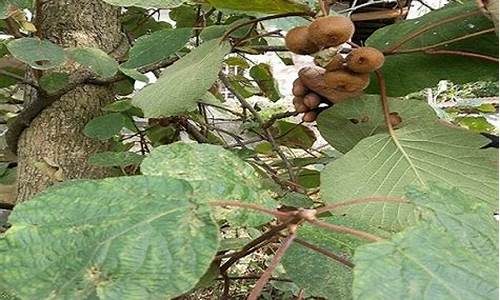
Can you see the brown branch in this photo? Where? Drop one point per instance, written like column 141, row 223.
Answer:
column 262, row 209
column 258, row 118
column 327, row 253
column 254, row 245
column 463, row 53
column 13, row 28
column 385, row 103
column 427, row 28
column 421, row 49
column 264, row 279
column 346, row 230
column 367, row 200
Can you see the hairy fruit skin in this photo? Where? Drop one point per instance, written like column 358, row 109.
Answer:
column 310, row 116
column 346, row 81
column 365, row 60
column 312, row 100
column 299, row 89
column 314, row 79
column 297, row 40
column 395, row 119
column 331, row 31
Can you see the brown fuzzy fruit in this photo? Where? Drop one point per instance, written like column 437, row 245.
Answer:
column 336, row 63
column 331, row 31
column 297, row 40
column 314, row 79
column 312, row 100
column 395, row 119
column 300, row 107
column 310, row 116
column 347, row 81
column 299, row 89
column 365, row 60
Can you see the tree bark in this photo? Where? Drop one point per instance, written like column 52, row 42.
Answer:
column 54, row 147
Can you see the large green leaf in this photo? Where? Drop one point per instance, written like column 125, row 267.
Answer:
column 378, row 166
column 147, row 3
column 424, row 70
column 262, row 6
column 7, row 5
column 181, row 84
column 215, row 173
column 95, row 59
column 118, row 238
column 345, row 124
column 39, row 54
column 318, row 274
column 159, row 45
column 452, row 255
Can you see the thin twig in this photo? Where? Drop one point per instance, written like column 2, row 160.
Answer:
column 427, row 28
column 258, row 118
column 246, row 250
column 360, row 201
column 419, row 49
column 462, row 53
column 252, row 206
column 346, row 230
column 327, row 253
column 264, row 279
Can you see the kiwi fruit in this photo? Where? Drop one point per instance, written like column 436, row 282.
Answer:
column 347, row 81
column 312, row 100
column 299, row 89
column 310, row 116
column 330, row 31
column 297, row 40
column 300, row 107
column 336, row 63
column 395, row 119
column 364, row 60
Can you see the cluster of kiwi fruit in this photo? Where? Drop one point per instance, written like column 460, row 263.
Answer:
column 340, row 77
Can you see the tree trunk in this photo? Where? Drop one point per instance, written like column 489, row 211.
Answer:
column 54, row 148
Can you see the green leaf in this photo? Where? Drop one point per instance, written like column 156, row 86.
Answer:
column 95, row 59
column 451, row 255
column 426, row 70
column 118, row 238
column 106, row 126
column 39, row 54
column 318, row 274
column 213, row 32
column 159, row 45
column 309, row 178
column 181, row 84
column 347, row 123
column 115, row 159
column 424, row 152
column 6, row 6
column 263, row 76
column 262, row 6
column 53, row 82
column 134, row 74
column 476, row 124
column 147, row 3
column 293, row 135
column 119, row 106
column 215, row 174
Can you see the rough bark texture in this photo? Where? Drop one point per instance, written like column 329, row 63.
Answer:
column 54, row 147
